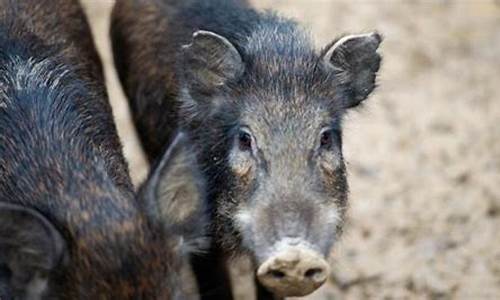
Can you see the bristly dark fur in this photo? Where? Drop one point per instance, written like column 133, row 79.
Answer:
column 61, row 161
column 48, row 118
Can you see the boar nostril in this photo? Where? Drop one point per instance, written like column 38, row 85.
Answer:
column 313, row 272
column 277, row 274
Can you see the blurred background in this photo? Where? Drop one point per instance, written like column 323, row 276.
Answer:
column 424, row 153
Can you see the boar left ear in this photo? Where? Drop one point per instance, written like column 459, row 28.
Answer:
column 174, row 194
column 210, row 61
column 30, row 249
column 355, row 60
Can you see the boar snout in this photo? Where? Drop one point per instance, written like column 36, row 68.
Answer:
column 293, row 272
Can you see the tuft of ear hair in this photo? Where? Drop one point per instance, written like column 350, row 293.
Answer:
column 210, row 61
column 30, row 249
column 174, row 195
column 356, row 62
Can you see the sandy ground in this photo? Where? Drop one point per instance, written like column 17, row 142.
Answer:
column 424, row 153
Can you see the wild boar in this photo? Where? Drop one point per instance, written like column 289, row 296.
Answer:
column 70, row 224
column 265, row 111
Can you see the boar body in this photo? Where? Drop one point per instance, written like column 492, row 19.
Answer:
column 70, row 224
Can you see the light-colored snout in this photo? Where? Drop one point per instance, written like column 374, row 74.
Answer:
column 293, row 272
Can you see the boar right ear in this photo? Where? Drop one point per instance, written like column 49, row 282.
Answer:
column 30, row 248
column 355, row 60
column 174, row 194
column 210, row 61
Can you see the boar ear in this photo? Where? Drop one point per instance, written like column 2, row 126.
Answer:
column 355, row 60
column 174, row 193
column 30, row 248
column 210, row 61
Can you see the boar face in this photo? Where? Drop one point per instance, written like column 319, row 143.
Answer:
column 268, row 117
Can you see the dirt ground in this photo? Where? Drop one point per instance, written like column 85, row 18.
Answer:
column 424, row 153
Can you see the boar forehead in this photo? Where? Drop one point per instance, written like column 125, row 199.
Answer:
column 287, row 94
column 285, row 125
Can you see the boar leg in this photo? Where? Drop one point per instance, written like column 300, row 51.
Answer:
column 212, row 276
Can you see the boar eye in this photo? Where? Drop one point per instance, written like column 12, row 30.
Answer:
column 326, row 139
column 244, row 140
